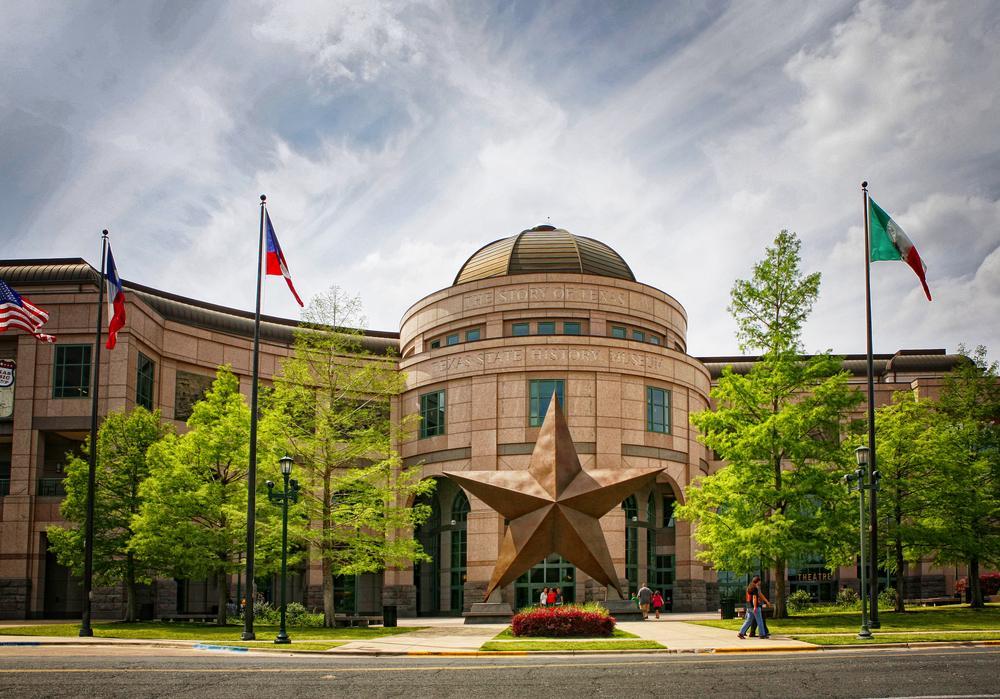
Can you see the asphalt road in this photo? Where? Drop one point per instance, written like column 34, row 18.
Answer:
column 140, row 672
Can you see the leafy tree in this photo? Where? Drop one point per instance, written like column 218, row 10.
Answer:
column 963, row 517
column 330, row 408
column 912, row 444
column 122, row 444
column 192, row 522
column 778, row 427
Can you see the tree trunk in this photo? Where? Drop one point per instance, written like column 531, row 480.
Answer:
column 326, row 508
column 974, row 586
column 223, row 597
column 899, row 557
column 130, row 591
column 899, row 573
column 780, row 594
column 328, row 605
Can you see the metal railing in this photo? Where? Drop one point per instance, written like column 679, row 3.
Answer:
column 51, row 487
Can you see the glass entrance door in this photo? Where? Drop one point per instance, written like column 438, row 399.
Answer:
column 551, row 572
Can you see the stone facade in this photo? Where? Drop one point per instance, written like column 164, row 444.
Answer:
column 607, row 338
column 15, row 598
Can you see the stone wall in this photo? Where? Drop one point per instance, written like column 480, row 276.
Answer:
column 15, row 597
column 314, row 597
column 473, row 592
column 689, row 596
column 711, row 596
column 404, row 597
column 108, row 602
column 166, row 597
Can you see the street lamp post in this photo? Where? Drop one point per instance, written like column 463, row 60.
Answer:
column 289, row 495
column 857, row 481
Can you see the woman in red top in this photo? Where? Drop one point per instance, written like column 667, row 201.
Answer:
column 657, row 603
column 551, row 599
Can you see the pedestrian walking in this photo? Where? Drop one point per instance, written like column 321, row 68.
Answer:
column 657, row 602
column 645, row 596
column 754, row 604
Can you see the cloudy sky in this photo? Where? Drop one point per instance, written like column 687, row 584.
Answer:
column 393, row 139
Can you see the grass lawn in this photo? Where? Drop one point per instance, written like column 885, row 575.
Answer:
column 508, row 634
column 831, row 640
column 285, row 647
column 181, row 631
column 951, row 618
column 551, row 644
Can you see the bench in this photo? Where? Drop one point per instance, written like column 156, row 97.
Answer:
column 931, row 601
column 356, row 620
column 204, row 618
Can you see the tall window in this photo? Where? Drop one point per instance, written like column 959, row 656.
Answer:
column 144, row 374
column 432, row 414
column 657, row 410
column 668, row 510
column 459, row 550
column 631, row 543
column 650, row 534
column 72, row 372
column 540, row 393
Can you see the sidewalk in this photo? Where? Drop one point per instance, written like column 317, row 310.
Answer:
column 449, row 636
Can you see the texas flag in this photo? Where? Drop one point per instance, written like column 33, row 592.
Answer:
column 116, row 301
column 276, row 264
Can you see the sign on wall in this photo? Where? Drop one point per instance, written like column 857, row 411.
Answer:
column 8, row 371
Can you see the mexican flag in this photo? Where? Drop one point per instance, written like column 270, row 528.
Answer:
column 889, row 242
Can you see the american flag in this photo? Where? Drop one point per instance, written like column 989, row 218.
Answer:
column 18, row 312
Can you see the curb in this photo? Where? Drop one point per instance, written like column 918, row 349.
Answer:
column 505, row 653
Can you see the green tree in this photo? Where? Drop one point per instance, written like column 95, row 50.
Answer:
column 192, row 522
column 330, row 408
column 122, row 444
column 778, row 427
column 912, row 445
column 963, row 517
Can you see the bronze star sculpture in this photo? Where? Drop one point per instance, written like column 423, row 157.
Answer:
column 554, row 506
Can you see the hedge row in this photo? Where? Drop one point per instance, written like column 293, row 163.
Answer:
column 562, row 621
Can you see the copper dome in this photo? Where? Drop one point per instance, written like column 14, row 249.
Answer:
column 544, row 249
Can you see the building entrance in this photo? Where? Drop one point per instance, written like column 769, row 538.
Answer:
column 63, row 591
column 554, row 571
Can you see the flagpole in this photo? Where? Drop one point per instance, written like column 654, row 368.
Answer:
column 873, row 500
column 248, row 633
column 88, row 537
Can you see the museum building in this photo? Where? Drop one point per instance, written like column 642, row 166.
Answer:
column 537, row 314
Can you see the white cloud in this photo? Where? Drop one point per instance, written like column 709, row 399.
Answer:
column 394, row 139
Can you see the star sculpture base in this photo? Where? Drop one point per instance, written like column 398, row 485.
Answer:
column 554, row 506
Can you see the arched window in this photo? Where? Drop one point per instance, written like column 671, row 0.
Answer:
column 427, row 574
column 631, row 543
column 459, row 549
column 650, row 533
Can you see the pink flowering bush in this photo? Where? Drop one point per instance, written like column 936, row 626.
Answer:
column 567, row 620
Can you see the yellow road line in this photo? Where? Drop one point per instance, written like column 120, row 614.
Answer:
column 429, row 668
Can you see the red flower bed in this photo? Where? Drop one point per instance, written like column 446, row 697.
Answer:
column 562, row 621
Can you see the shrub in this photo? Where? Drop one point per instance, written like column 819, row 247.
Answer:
column 990, row 583
column 295, row 615
column 887, row 598
column 799, row 600
column 567, row 620
column 847, row 597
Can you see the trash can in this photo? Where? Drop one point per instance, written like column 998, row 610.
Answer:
column 389, row 615
column 728, row 608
